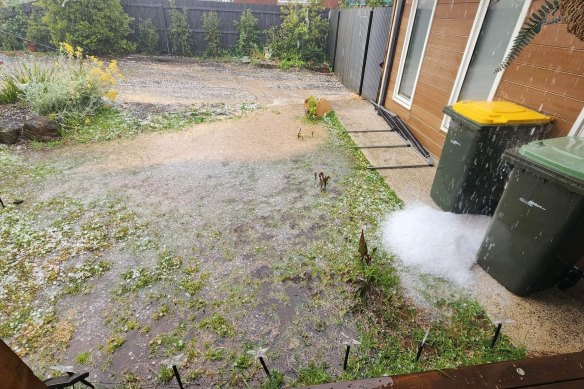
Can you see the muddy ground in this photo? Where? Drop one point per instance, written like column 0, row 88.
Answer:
column 212, row 222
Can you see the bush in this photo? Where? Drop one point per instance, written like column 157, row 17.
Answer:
column 301, row 37
column 211, row 25
column 148, row 38
column 247, row 26
column 37, row 31
column 99, row 26
column 13, row 23
column 179, row 32
column 70, row 87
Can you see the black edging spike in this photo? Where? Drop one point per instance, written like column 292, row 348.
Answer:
column 497, row 333
column 346, row 357
column 177, row 376
column 265, row 367
column 2, row 203
column 422, row 345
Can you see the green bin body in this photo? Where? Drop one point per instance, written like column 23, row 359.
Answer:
column 471, row 176
column 537, row 232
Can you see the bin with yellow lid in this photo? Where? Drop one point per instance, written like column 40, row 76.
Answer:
column 471, row 176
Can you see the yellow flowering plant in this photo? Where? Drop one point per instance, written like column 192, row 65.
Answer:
column 70, row 87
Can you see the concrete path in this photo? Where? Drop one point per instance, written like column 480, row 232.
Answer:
column 546, row 323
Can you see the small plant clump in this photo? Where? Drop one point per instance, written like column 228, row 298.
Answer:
column 248, row 39
column 148, row 37
column 179, row 32
column 211, row 24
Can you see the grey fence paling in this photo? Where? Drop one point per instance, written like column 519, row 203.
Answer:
column 356, row 46
column 159, row 12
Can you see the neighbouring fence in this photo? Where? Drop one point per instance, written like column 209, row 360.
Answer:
column 158, row 11
column 357, row 45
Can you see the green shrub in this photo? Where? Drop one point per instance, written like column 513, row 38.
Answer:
column 247, row 26
column 301, row 37
column 99, row 26
column 179, row 32
column 13, row 23
column 148, row 37
column 211, row 25
column 37, row 31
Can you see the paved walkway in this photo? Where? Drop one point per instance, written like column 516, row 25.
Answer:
column 549, row 322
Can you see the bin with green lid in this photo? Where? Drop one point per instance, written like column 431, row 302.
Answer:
column 536, row 235
column 471, row 175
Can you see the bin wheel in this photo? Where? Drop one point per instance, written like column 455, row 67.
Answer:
column 570, row 279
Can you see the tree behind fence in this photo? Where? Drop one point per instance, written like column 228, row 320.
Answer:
column 158, row 11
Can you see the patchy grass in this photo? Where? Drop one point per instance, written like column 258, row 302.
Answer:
column 390, row 325
column 113, row 123
column 83, row 358
column 218, row 325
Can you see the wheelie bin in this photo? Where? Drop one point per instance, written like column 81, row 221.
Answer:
column 470, row 177
column 537, row 233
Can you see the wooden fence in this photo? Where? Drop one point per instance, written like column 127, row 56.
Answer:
column 158, row 11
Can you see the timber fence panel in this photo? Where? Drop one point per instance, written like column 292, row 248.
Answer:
column 376, row 51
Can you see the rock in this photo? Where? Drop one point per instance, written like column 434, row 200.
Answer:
column 40, row 128
column 10, row 133
column 245, row 59
column 12, row 116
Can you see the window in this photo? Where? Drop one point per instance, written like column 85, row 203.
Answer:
column 414, row 47
column 495, row 26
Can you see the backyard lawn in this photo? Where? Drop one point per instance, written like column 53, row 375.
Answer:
column 185, row 225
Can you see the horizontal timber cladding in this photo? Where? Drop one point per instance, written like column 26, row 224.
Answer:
column 548, row 76
column 376, row 52
column 449, row 34
column 158, row 11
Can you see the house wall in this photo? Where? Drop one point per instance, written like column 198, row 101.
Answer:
column 548, row 76
column 449, row 33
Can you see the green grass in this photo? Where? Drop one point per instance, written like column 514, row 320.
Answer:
column 218, row 325
column 390, row 325
column 83, row 358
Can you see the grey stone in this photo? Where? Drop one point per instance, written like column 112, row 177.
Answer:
column 40, row 128
column 10, row 133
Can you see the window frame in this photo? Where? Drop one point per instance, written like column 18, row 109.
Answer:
column 402, row 100
column 469, row 51
column 578, row 127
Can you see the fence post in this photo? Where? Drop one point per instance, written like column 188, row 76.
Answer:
column 165, row 25
column 336, row 39
column 366, row 50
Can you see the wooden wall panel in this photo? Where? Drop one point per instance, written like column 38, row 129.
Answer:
column 449, row 33
column 548, row 76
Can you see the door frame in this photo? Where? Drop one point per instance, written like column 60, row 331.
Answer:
column 469, row 50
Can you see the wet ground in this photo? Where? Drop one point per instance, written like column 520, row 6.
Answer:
column 196, row 246
column 208, row 261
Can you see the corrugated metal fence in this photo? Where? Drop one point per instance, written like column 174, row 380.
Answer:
column 356, row 46
column 158, row 11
